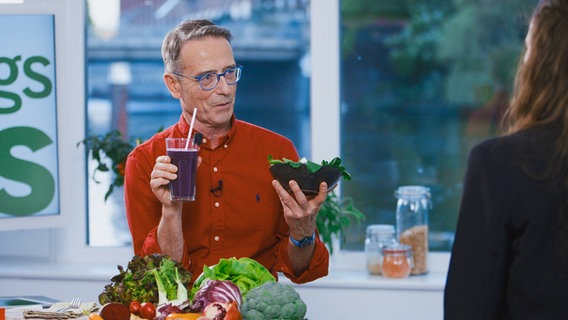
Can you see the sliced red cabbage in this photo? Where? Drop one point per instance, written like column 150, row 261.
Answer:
column 224, row 291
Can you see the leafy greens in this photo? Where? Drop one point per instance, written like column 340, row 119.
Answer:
column 154, row 278
column 170, row 286
column 246, row 273
column 312, row 166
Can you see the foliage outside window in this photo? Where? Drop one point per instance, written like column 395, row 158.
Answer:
column 422, row 81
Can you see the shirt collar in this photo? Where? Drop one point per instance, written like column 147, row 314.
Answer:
column 184, row 130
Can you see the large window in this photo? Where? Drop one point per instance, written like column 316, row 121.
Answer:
column 126, row 91
column 421, row 82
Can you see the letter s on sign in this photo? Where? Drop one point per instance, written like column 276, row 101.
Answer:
column 37, row 177
column 47, row 86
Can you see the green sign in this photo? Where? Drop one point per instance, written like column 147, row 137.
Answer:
column 29, row 183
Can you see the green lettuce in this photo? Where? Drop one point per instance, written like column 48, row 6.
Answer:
column 246, row 273
column 170, row 286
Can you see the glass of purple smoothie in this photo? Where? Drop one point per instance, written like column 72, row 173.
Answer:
column 184, row 156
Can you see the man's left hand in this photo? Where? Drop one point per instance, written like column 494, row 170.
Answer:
column 300, row 212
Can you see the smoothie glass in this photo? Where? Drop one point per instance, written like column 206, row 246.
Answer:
column 184, row 156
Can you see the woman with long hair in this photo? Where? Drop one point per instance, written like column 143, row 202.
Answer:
column 510, row 255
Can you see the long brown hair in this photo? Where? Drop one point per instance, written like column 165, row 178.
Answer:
column 541, row 85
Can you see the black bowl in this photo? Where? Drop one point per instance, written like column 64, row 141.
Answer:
column 308, row 181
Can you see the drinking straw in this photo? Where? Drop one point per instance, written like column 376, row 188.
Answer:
column 190, row 128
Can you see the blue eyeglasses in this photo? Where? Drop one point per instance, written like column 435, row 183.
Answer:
column 208, row 81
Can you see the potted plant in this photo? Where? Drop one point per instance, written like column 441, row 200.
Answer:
column 109, row 147
column 335, row 216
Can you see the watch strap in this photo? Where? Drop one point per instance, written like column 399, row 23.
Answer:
column 307, row 241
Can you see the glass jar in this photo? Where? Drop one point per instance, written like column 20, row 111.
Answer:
column 378, row 235
column 412, row 209
column 397, row 261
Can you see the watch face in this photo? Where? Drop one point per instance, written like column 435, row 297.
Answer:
column 306, row 242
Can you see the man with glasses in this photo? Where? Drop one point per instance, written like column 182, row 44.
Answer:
column 239, row 211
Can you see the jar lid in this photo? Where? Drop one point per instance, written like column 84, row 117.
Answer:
column 380, row 228
column 412, row 192
column 396, row 248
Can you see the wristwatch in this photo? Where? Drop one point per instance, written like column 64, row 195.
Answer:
column 306, row 242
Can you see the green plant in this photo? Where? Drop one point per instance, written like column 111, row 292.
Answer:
column 335, row 216
column 109, row 147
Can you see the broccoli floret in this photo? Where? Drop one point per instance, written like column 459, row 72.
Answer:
column 275, row 301
column 253, row 315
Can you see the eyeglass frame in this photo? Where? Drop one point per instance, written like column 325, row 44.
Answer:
column 238, row 69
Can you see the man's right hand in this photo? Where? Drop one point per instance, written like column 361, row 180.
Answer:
column 164, row 171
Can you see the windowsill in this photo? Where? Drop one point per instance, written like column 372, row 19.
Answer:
column 341, row 279
column 347, row 270
column 342, row 274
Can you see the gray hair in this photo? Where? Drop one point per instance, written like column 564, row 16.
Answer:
column 185, row 31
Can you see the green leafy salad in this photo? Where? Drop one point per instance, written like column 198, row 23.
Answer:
column 154, row 278
column 312, row 166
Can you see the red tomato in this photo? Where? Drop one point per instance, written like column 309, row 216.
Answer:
column 147, row 310
column 134, row 307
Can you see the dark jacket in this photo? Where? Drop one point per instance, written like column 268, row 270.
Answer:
column 508, row 258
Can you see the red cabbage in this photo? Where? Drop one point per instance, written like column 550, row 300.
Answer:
column 224, row 291
column 167, row 309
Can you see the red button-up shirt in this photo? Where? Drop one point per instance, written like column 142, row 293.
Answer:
column 244, row 219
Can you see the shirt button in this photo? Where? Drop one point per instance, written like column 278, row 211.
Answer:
column 217, row 204
column 204, row 140
column 216, row 238
column 226, row 146
column 215, row 169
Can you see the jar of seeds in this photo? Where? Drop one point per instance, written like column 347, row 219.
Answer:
column 412, row 209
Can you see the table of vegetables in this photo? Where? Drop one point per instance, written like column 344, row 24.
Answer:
column 155, row 287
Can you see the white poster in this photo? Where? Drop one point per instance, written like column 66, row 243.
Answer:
column 29, row 183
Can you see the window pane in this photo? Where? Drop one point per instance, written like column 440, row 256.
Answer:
column 127, row 93
column 421, row 82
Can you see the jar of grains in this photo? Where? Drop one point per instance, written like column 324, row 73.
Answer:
column 412, row 209
column 397, row 261
column 378, row 235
